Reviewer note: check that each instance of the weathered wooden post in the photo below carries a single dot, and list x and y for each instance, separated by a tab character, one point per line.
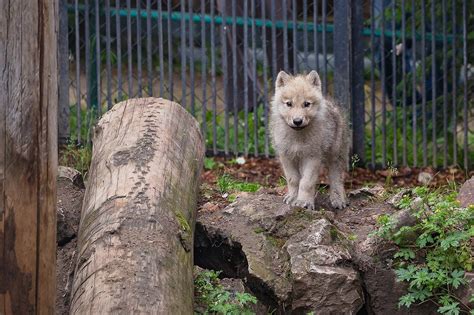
28	156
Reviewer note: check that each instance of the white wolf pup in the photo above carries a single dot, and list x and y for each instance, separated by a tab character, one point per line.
308	131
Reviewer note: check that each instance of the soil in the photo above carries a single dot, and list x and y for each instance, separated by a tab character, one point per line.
69	206
266	172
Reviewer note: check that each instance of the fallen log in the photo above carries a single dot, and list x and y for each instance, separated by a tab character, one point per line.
135	251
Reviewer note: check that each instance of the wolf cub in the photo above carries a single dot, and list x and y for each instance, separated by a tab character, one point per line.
308	131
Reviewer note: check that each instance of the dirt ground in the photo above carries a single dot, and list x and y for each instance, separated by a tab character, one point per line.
264	171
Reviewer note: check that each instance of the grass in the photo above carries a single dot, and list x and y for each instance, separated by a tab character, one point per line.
226	184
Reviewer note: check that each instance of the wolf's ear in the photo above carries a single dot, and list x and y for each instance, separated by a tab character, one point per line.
313	78
282	79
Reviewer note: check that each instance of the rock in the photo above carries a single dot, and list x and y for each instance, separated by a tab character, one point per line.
424	178
290	258
368	191
466	193
320	281
72	174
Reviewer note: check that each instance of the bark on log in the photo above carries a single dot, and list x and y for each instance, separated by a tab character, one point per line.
139	210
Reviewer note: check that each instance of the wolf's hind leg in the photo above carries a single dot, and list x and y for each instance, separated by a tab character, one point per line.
337	194
292	175
309	177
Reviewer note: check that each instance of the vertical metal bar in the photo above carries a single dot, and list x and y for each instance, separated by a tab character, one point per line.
357	104
305	34
414	109
404	94
372	83
191	58
63	76
139	48
78	72
234	76
295	38
394	85
465	112
118	32
204	70
183	54
454	85
423	82
315	33
274	40
445	85
129	49
265	79
170	53
148	48
98	59
108	53
384	90
160	48
213	79
285	35
325	56
342	53
254	77
88	66
433	82
225	76
246	81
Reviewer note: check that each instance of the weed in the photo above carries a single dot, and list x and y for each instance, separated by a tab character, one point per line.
77	157
433	262
214	299
209	163
226	184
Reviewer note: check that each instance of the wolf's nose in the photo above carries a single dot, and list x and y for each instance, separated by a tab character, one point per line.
297	121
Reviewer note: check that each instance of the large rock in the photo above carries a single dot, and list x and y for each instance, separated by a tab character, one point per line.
291	258
321	281
466	193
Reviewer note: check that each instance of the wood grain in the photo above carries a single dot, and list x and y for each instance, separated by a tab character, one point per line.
136	234
28	156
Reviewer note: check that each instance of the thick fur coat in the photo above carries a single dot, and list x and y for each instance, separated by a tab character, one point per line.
308	131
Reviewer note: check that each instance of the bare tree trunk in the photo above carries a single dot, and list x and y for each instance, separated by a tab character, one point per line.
139	210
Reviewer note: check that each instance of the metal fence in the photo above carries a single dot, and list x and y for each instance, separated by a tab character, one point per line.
404	69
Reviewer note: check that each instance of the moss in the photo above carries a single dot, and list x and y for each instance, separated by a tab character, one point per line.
183	223
259	230
275	241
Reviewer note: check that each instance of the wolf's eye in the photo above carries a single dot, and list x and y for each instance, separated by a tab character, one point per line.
306	104
288	103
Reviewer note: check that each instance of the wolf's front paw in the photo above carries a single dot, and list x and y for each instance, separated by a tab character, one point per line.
307	204
289	198
337	202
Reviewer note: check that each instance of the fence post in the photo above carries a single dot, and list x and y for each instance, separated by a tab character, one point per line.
63	64
349	67
28	155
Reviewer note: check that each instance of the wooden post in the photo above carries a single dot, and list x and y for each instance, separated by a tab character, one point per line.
28	155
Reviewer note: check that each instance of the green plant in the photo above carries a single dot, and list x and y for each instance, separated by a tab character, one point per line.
77	157
214	299
434	262
209	163
226	183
